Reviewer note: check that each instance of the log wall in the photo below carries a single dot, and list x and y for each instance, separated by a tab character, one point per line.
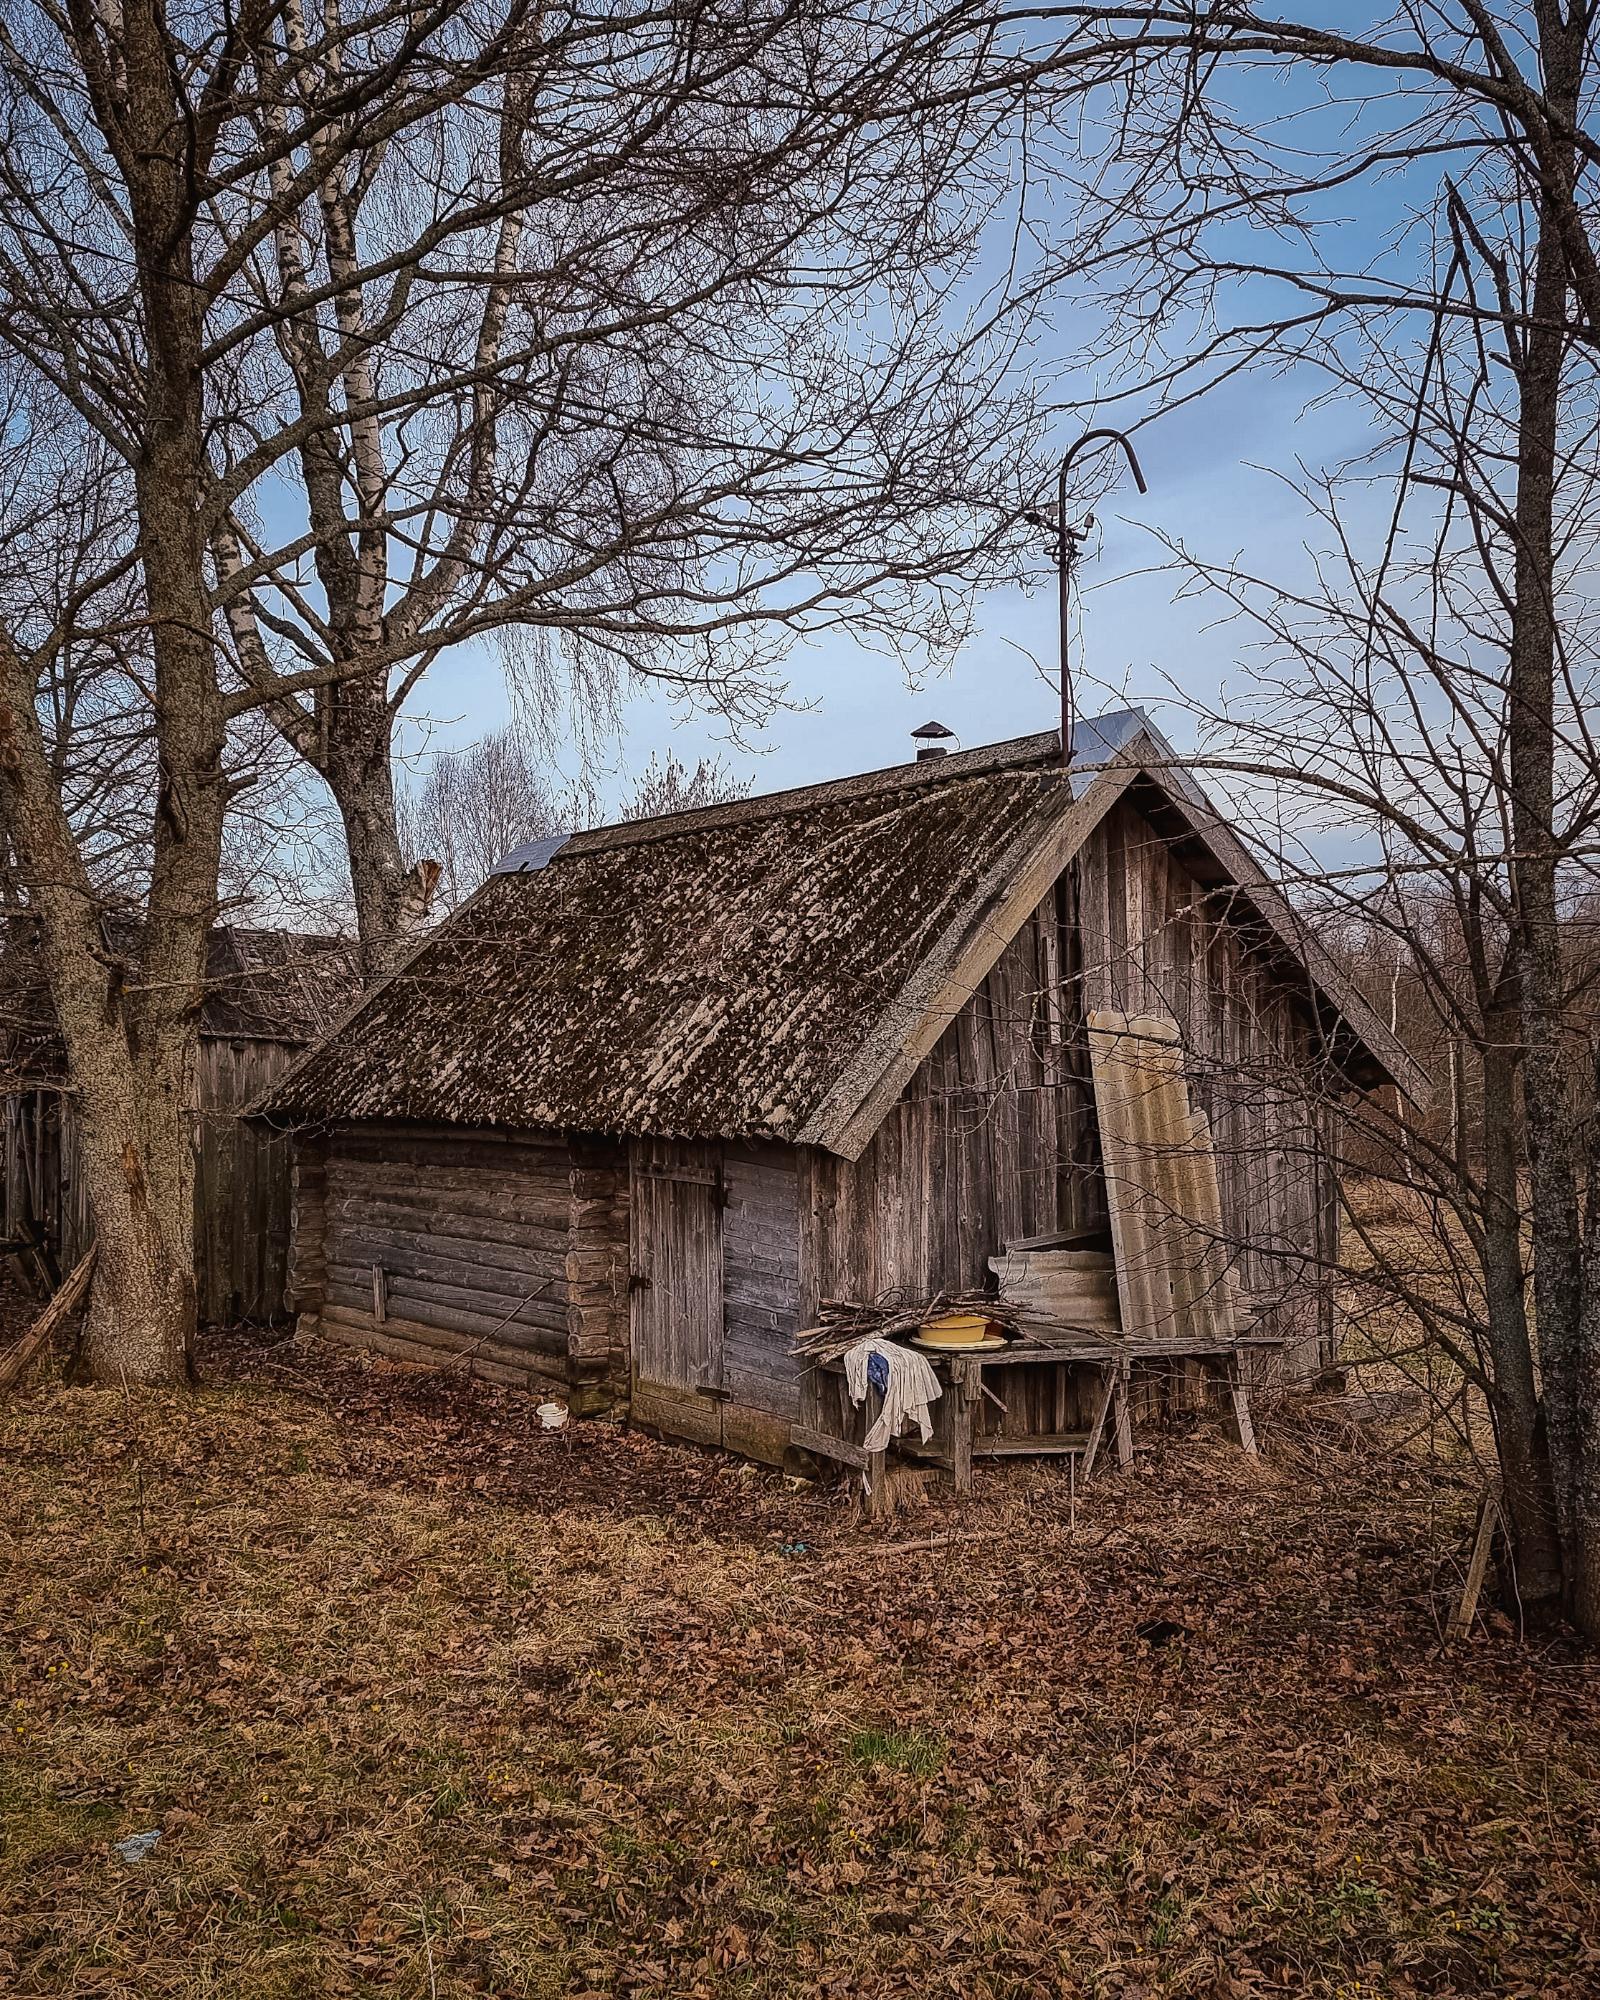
506	1253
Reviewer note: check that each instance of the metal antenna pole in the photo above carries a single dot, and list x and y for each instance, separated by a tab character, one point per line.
1067	540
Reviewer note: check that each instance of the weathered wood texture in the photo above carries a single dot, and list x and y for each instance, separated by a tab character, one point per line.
1156	940
504	1253
716	1292
996	1136
242	1188
689	1266
677	1274
993	1139
1174	1263
241	1183
761	1277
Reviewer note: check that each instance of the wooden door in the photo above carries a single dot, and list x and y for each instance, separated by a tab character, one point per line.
676	1317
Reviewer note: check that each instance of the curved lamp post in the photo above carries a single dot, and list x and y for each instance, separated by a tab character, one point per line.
1067	541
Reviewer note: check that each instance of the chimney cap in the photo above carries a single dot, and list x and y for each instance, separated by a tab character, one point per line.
932	732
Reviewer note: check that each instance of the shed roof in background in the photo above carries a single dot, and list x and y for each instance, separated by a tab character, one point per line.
267	985
767	967
285	985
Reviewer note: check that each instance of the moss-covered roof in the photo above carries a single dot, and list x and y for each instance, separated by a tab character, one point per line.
709	973
771	968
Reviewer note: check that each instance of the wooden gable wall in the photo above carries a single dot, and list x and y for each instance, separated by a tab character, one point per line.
994	1138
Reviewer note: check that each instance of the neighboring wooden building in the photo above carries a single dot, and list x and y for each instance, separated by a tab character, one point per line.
269	993
635	1109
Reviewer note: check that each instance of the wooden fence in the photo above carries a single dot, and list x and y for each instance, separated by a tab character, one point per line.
241	1180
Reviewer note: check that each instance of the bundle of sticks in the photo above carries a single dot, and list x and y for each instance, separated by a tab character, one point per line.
845	1321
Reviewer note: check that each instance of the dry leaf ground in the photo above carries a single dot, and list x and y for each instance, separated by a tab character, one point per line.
426	1702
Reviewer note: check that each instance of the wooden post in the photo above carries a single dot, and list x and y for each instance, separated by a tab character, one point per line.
1091	1450
1124	1415
1241	1429
962	1417
39	1335
1477	1567
875	1473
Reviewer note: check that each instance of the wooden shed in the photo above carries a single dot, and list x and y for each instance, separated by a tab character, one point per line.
624	1121
269	993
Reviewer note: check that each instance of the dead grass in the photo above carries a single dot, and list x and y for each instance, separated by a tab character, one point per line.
427	1703
1415	1248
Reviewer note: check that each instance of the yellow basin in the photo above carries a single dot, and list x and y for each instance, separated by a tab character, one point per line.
956	1330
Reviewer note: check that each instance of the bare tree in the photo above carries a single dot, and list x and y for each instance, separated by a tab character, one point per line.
641	359
1429	692
473	807
668	785
476	804
389	329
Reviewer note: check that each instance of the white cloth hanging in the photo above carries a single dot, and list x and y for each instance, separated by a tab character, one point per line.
912	1388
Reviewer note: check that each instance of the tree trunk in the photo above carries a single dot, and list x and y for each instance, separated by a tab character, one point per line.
1520	1438
359	772
131	1031
1532	740
1585	1540
141	1317
133	1143
391	900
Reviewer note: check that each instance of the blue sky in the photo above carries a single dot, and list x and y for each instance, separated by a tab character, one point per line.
853	710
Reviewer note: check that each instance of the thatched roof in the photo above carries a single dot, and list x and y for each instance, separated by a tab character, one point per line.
773	967
266	985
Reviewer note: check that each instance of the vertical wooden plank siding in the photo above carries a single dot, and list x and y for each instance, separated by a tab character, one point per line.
677	1316
996	1135
761	1276
241	1183
242	1179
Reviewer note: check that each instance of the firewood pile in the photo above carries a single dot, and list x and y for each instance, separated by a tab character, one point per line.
894	1315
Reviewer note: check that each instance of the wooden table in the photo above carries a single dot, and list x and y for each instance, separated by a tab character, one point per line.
962	1376
966	1389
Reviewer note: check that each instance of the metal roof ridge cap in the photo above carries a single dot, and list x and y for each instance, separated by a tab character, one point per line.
1010	754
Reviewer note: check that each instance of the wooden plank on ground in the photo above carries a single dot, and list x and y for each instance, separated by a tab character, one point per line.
45	1327
1108	1376
1478	1566
1244	1431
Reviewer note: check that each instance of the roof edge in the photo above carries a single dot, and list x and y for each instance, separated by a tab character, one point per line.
987	757
946	978
940	986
